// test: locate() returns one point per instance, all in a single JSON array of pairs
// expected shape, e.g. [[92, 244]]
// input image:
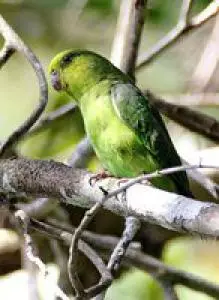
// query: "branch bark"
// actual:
[[56, 180], [133, 257], [14, 43], [128, 33], [187, 117]]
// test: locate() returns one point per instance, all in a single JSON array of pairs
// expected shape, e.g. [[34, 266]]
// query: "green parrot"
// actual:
[[125, 130]]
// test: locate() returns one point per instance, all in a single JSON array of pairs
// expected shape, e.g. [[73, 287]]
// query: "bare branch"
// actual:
[[131, 228], [13, 42], [168, 289], [29, 251], [185, 10], [128, 33], [210, 11], [105, 280], [56, 180], [53, 116], [38, 207], [208, 62], [183, 27], [157, 173], [73, 251], [81, 155], [5, 53], [195, 121], [204, 181], [134, 257], [192, 99]]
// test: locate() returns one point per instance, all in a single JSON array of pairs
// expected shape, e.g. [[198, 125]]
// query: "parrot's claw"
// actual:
[[102, 175], [104, 191], [122, 181]]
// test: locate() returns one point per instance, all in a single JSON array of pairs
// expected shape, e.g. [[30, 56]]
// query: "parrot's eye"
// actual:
[[67, 59]]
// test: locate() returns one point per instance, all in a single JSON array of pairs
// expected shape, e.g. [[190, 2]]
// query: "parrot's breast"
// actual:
[[118, 147]]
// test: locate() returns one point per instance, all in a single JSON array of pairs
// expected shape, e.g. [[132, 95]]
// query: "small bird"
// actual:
[[125, 130]]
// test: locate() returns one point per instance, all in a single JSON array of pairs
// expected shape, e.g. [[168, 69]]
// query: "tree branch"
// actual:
[[192, 98], [185, 116], [132, 257], [14, 43], [128, 33], [56, 180], [5, 53], [82, 154], [183, 27], [207, 64], [53, 116], [23, 221]]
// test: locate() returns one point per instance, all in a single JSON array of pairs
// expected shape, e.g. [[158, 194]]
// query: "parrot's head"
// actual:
[[75, 72]]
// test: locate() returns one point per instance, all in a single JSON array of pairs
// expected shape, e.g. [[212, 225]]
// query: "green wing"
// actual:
[[136, 111]]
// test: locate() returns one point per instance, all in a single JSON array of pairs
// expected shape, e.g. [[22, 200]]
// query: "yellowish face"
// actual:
[[55, 68]]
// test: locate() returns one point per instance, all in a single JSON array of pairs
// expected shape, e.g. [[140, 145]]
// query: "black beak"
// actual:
[[55, 80]]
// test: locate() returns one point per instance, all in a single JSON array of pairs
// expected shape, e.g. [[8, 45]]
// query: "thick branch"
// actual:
[[192, 99], [56, 180], [128, 33], [185, 116]]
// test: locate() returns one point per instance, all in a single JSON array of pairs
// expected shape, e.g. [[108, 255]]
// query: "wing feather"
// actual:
[[134, 109]]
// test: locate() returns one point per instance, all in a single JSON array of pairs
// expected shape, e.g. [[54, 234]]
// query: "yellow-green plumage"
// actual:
[[128, 135]]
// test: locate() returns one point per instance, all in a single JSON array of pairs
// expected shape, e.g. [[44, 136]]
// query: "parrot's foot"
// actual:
[[102, 175], [146, 181], [122, 181]]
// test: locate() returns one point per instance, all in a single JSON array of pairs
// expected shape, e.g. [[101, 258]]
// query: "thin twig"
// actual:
[[168, 290], [38, 207], [131, 228], [82, 154], [134, 257], [73, 250], [155, 174], [23, 219], [13, 42], [185, 11], [51, 117], [183, 27], [203, 180], [88, 236], [85, 249]]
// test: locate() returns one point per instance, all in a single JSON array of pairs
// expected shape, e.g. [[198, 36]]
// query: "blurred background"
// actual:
[[189, 66]]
